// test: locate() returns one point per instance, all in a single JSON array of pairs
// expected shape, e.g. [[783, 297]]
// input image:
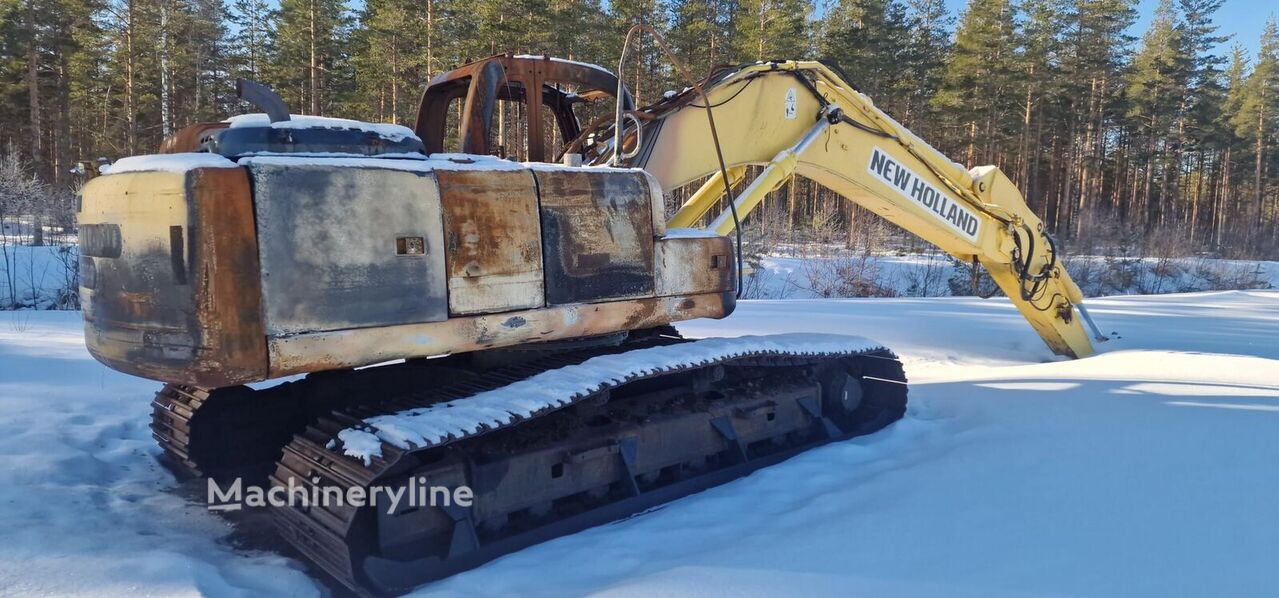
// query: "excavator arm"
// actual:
[[801, 117]]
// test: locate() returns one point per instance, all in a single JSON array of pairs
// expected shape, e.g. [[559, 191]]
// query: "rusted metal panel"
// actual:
[[597, 235], [171, 291], [224, 270], [688, 265], [189, 139], [352, 348], [493, 240], [329, 239]]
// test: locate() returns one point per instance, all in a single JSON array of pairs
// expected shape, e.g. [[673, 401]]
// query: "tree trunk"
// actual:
[[315, 67], [130, 75], [166, 105], [37, 127]]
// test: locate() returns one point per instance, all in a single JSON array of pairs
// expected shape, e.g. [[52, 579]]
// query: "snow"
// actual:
[[180, 162], [432, 425], [386, 155], [781, 276], [87, 510], [390, 132], [361, 444], [422, 163], [1148, 470], [690, 233], [42, 277], [565, 61], [552, 167], [419, 165]]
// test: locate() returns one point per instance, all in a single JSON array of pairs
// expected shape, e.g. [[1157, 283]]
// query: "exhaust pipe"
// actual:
[[263, 98]]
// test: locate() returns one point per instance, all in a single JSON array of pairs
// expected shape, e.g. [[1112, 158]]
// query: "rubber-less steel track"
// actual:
[[240, 431], [640, 439]]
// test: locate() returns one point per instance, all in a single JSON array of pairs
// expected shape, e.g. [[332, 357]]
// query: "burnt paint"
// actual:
[[145, 319], [327, 238], [494, 244], [597, 236]]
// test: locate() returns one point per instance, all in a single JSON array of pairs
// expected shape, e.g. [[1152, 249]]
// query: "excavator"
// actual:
[[462, 320]]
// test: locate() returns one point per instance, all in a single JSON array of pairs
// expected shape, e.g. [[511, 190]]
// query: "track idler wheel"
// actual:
[[858, 397]]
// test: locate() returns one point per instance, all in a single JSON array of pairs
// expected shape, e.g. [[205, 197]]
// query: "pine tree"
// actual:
[[771, 29], [385, 54], [1040, 82], [980, 78], [1257, 120], [930, 31], [1096, 48], [1236, 75], [1198, 138], [870, 39], [698, 33], [1155, 91], [250, 45], [310, 66], [648, 73]]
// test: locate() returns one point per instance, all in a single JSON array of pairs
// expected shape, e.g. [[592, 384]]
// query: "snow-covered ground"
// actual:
[[1151, 469], [42, 277], [836, 273]]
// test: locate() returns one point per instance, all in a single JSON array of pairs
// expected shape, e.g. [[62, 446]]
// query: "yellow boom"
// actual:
[[800, 117]]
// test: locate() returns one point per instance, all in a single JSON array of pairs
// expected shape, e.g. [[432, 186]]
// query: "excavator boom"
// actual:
[[803, 118]]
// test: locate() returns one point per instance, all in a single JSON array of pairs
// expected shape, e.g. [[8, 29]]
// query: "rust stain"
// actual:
[[688, 265], [185, 312], [188, 138], [494, 262], [352, 348], [537, 83], [227, 277]]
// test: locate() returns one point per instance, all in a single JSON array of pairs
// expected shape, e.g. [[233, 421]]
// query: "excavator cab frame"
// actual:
[[481, 85]]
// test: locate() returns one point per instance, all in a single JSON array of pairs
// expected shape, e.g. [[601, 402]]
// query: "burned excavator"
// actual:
[[464, 320]]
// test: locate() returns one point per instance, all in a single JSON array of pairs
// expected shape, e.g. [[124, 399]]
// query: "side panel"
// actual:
[[691, 265], [169, 276], [597, 234], [494, 241], [348, 247]]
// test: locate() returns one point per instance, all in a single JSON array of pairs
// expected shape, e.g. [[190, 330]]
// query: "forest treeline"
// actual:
[[1163, 134]]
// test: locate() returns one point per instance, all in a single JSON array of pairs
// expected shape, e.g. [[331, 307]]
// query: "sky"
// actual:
[[1243, 18]]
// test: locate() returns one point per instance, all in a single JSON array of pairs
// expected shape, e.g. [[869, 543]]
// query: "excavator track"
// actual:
[[651, 420], [219, 432], [238, 431]]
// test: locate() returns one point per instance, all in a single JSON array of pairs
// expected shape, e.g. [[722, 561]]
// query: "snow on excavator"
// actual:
[[464, 320]]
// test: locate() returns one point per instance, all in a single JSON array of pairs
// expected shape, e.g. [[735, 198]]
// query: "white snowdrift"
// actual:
[[181, 162], [1149, 470]]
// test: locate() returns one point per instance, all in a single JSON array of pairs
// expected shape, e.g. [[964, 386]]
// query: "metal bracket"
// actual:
[[724, 426], [814, 409], [628, 448], [464, 537]]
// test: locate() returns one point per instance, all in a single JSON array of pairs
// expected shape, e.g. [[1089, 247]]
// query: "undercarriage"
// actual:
[[655, 417]]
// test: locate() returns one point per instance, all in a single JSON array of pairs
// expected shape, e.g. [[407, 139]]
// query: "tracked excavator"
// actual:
[[460, 320]]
